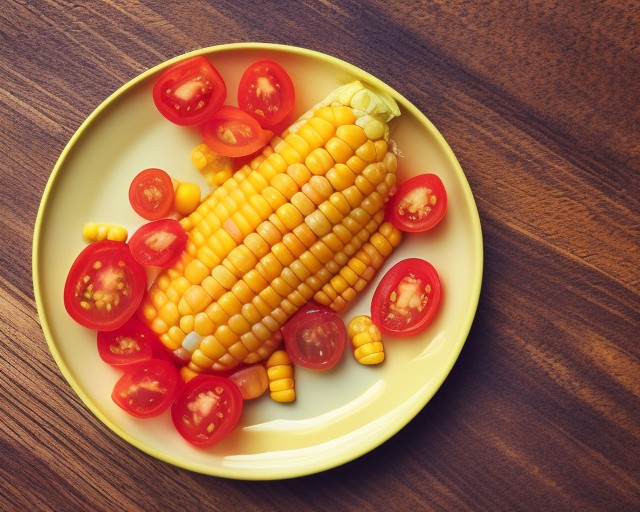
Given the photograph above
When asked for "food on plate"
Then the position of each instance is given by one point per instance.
(234, 133)
(147, 389)
(214, 167)
(252, 381)
(189, 92)
(186, 197)
(419, 204)
(158, 243)
(151, 194)
(366, 340)
(280, 372)
(407, 298)
(266, 92)
(104, 286)
(206, 409)
(315, 337)
(97, 231)
(132, 343)
(270, 237)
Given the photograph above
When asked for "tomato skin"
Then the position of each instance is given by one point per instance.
(147, 389)
(417, 192)
(315, 337)
(189, 92)
(104, 270)
(207, 401)
(234, 133)
(159, 243)
(129, 344)
(151, 194)
(399, 317)
(266, 92)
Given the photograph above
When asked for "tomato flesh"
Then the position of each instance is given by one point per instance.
(129, 344)
(147, 389)
(266, 92)
(159, 243)
(234, 133)
(151, 194)
(189, 92)
(207, 409)
(315, 337)
(407, 298)
(419, 204)
(104, 286)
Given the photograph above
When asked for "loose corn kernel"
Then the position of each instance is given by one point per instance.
(366, 340)
(280, 373)
(94, 232)
(186, 197)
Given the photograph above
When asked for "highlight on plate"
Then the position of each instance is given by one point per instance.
(256, 277)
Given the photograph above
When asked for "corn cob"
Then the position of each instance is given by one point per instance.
(366, 340)
(93, 232)
(277, 234)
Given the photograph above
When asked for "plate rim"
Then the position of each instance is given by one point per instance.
(232, 473)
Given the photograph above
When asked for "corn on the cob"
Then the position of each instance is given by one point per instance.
(279, 233)
(366, 340)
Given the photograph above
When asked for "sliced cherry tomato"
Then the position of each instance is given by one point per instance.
(189, 92)
(407, 298)
(147, 389)
(315, 337)
(266, 92)
(207, 409)
(252, 381)
(131, 343)
(419, 204)
(159, 243)
(151, 194)
(232, 132)
(104, 286)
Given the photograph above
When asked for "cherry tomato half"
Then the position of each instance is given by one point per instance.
(147, 389)
(206, 409)
(189, 92)
(419, 204)
(407, 298)
(315, 337)
(151, 194)
(266, 92)
(104, 286)
(159, 243)
(232, 132)
(131, 343)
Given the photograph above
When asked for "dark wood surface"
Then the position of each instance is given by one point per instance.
(540, 101)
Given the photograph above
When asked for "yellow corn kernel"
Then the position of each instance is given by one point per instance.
(280, 374)
(299, 173)
(186, 197)
(353, 135)
(94, 232)
(290, 216)
(311, 135)
(340, 176)
(319, 161)
(366, 340)
(339, 150)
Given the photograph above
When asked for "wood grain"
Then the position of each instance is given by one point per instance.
(540, 102)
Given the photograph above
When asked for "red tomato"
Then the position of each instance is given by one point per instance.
(159, 243)
(232, 132)
(252, 381)
(266, 92)
(407, 298)
(151, 194)
(189, 92)
(419, 204)
(315, 337)
(207, 409)
(131, 343)
(147, 389)
(104, 286)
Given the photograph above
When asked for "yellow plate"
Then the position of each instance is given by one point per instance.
(339, 415)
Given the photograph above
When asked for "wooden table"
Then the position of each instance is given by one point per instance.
(540, 103)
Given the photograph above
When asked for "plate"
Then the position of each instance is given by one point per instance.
(338, 415)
